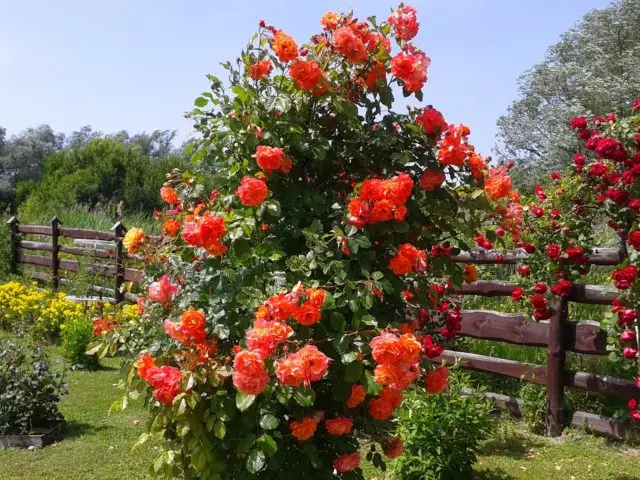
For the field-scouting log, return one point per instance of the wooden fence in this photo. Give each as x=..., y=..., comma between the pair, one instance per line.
x=558, y=335
x=109, y=256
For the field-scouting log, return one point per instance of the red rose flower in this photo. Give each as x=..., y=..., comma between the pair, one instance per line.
x=562, y=288
x=432, y=121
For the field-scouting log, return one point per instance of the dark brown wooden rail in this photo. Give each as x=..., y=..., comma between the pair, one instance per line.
x=517, y=328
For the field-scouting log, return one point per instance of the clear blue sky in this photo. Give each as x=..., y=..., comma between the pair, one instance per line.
x=138, y=64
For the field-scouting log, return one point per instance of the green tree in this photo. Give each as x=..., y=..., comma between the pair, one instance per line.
x=22, y=157
x=593, y=69
x=97, y=170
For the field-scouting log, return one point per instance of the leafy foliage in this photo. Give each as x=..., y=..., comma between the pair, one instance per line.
x=76, y=334
x=29, y=388
x=99, y=170
x=441, y=433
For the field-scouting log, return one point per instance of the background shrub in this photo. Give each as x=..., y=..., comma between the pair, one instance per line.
x=76, y=333
x=29, y=388
x=441, y=433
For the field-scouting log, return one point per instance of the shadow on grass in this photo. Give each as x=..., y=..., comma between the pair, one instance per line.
x=508, y=443
x=625, y=477
x=493, y=474
x=78, y=429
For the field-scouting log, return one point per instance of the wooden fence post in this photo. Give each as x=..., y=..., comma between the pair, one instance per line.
x=55, y=252
x=14, y=245
x=556, y=362
x=119, y=231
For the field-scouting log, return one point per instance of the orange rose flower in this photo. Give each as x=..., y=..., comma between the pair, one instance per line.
x=166, y=382
x=303, y=367
x=477, y=165
x=259, y=70
x=265, y=336
x=346, y=463
x=281, y=307
x=330, y=21
x=269, y=159
x=284, y=46
x=304, y=429
x=250, y=375
x=453, y=146
x=411, y=69
x=350, y=45
x=252, y=191
x=170, y=227
x=470, y=273
x=382, y=407
x=205, y=232
x=396, y=375
x=307, y=314
x=169, y=195
x=305, y=74
x=338, y=426
x=376, y=76
x=498, y=183
x=437, y=380
x=143, y=364
x=358, y=395
x=316, y=296
x=431, y=179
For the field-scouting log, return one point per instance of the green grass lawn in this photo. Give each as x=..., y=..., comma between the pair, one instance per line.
x=512, y=453
x=98, y=445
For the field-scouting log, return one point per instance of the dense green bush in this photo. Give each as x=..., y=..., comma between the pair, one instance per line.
x=77, y=333
x=29, y=389
x=101, y=171
x=441, y=433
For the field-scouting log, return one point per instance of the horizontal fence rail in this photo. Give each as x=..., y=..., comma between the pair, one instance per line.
x=558, y=335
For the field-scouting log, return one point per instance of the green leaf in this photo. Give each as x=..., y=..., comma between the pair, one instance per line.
x=201, y=102
x=246, y=443
x=281, y=103
x=341, y=344
x=268, y=422
x=199, y=460
x=244, y=401
x=159, y=463
x=369, y=320
x=273, y=207
x=219, y=429
x=346, y=107
x=337, y=321
x=305, y=397
x=353, y=372
x=370, y=385
x=267, y=444
x=182, y=407
x=255, y=461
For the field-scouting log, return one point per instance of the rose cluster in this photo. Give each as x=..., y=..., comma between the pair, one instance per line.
x=380, y=200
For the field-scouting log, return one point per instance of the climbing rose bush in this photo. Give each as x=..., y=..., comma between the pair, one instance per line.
x=304, y=277
x=602, y=188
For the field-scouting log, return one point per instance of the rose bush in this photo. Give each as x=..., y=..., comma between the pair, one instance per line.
x=290, y=306
x=569, y=216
